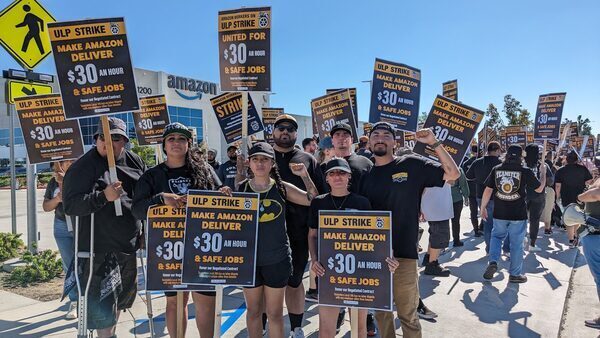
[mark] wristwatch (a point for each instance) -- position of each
(436, 144)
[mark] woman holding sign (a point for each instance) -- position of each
(337, 176)
(168, 184)
(273, 262)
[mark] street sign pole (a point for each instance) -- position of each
(13, 174)
(32, 227)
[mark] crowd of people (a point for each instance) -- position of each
(504, 190)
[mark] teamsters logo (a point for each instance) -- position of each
(379, 222)
(269, 210)
(507, 184)
(247, 203)
(114, 28)
(263, 19)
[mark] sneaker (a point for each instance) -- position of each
(533, 248)
(425, 313)
(573, 243)
(434, 269)
(312, 295)
(72, 312)
(264, 332)
(478, 233)
(297, 333)
(517, 279)
(490, 271)
(506, 254)
(425, 260)
(593, 323)
(340, 320)
(458, 243)
(548, 232)
(371, 328)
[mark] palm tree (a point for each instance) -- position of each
(583, 125)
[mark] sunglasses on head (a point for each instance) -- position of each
(114, 138)
(290, 129)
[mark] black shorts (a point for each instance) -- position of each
(439, 234)
(205, 293)
(274, 275)
(299, 249)
(102, 313)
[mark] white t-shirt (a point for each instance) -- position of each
(436, 203)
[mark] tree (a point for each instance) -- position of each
(515, 114)
(147, 153)
(422, 117)
(494, 120)
(583, 126)
(524, 118)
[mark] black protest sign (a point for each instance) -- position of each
(353, 246)
(395, 95)
(151, 120)
(367, 128)
(454, 124)
(584, 145)
(47, 134)
(269, 116)
(450, 89)
(410, 139)
(164, 245)
(228, 108)
(352, 98)
(327, 110)
(516, 135)
(399, 138)
(220, 238)
(93, 67)
(484, 137)
(548, 116)
(245, 49)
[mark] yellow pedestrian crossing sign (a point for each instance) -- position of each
(23, 88)
(24, 32)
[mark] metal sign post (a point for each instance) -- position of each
(32, 228)
(13, 174)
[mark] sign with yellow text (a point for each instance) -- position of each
(548, 116)
(93, 67)
(47, 134)
(151, 120)
(353, 246)
(220, 238)
(454, 124)
(450, 89)
(164, 243)
(516, 135)
(352, 98)
(23, 88)
(330, 109)
(484, 137)
(269, 116)
(245, 49)
(23, 32)
(228, 109)
(395, 94)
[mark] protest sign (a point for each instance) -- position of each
(151, 120)
(352, 98)
(333, 108)
(548, 116)
(450, 89)
(269, 116)
(516, 135)
(228, 109)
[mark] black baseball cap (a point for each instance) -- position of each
(383, 126)
(341, 126)
(178, 128)
(286, 118)
(232, 146)
(116, 126)
(337, 163)
(514, 150)
(261, 148)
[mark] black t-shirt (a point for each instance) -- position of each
(297, 215)
(572, 178)
(397, 187)
(359, 165)
(510, 183)
(480, 170)
(352, 201)
(227, 172)
(52, 190)
(465, 167)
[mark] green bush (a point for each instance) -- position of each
(41, 267)
(10, 245)
(44, 178)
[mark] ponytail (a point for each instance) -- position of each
(278, 181)
(202, 177)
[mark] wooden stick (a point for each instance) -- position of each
(159, 154)
(110, 156)
(180, 307)
(218, 310)
(354, 322)
(245, 124)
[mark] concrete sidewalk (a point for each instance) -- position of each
(467, 305)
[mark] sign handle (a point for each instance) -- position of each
(110, 155)
(159, 154)
(218, 310)
(180, 307)
(245, 124)
(354, 322)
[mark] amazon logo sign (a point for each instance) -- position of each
(182, 84)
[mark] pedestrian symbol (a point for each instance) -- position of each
(23, 32)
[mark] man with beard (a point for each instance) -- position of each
(212, 159)
(228, 170)
(396, 184)
(341, 135)
(309, 145)
(284, 135)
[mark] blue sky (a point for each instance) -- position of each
(493, 48)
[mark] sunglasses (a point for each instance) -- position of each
(290, 129)
(114, 138)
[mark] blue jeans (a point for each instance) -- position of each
(591, 250)
(64, 241)
(516, 231)
(489, 224)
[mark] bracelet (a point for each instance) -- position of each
(436, 144)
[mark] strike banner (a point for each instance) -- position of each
(454, 124)
(353, 246)
(450, 89)
(245, 49)
(151, 120)
(352, 98)
(548, 116)
(47, 134)
(228, 109)
(93, 66)
(395, 94)
(516, 135)
(483, 139)
(220, 238)
(164, 245)
(269, 116)
(330, 109)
